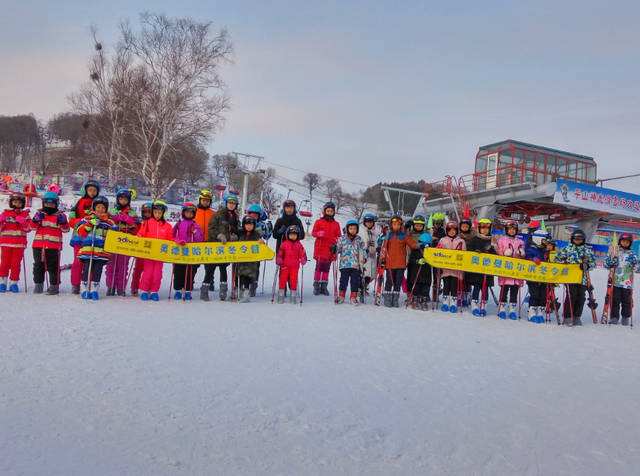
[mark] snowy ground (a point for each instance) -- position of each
(125, 387)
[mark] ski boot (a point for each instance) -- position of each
(625, 321)
(75, 289)
(280, 299)
(340, 298)
(614, 320)
(111, 292)
(3, 285)
(94, 295)
(316, 288)
(425, 305)
(446, 303)
(475, 308)
(293, 299)
(177, 295)
(540, 315)
(38, 288)
(531, 315)
(483, 309)
(121, 293)
(324, 285)
(243, 295)
(354, 298)
(513, 312)
(453, 306)
(386, 299)
(13, 287)
(154, 297)
(204, 293)
(502, 310)
(85, 291)
(134, 292)
(52, 290)
(223, 291)
(144, 296)
(395, 297)
(188, 296)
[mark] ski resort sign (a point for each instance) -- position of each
(583, 195)
(191, 253)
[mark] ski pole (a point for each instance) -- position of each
(301, 284)
(24, 273)
(264, 271)
(90, 270)
(275, 280)
(413, 287)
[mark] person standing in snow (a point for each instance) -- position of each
(418, 270)
(14, 226)
(289, 217)
(625, 264)
(352, 254)
(155, 227)
(248, 272)
(289, 258)
(369, 236)
(482, 242)
(186, 230)
(537, 252)
(510, 246)
(326, 231)
(264, 227)
(223, 227)
(393, 258)
(127, 222)
(204, 214)
(451, 279)
(82, 207)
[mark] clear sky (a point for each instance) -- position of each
(374, 90)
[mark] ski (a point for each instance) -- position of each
(591, 301)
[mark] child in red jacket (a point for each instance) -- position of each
(79, 212)
(14, 226)
(326, 231)
(154, 227)
(49, 224)
(290, 256)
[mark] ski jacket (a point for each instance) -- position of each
(203, 218)
(82, 208)
(224, 223)
(159, 229)
(14, 226)
(352, 252)
(582, 255)
(394, 249)
(326, 231)
(468, 236)
(250, 269)
(625, 265)
(437, 233)
(449, 243)
(188, 231)
(265, 228)
(49, 228)
(370, 240)
(291, 255)
(91, 231)
(281, 225)
(480, 244)
(125, 219)
(511, 247)
(418, 253)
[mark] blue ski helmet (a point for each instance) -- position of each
(539, 238)
(100, 200)
(255, 208)
(123, 192)
(229, 198)
(369, 217)
(51, 197)
(91, 183)
(350, 223)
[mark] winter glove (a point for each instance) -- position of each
(61, 220)
(221, 238)
(421, 261)
(282, 230)
(508, 252)
(233, 237)
(320, 234)
(537, 261)
(105, 226)
(180, 242)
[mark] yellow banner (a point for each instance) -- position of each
(192, 253)
(503, 266)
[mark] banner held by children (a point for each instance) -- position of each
(503, 266)
(192, 253)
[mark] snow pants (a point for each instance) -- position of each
(450, 286)
(288, 276)
(622, 298)
(421, 274)
(209, 270)
(151, 276)
(322, 270)
(537, 294)
(96, 270)
(574, 301)
(10, 261)
(46, 261)
(183, 276)
(76, 267)
(510, 292)
(393, 279)
(352, 275)
(137, 272)
(117, 270)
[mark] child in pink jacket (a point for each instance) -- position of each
(185, 231)
(154, 227)
(510, 246)
(451, 279)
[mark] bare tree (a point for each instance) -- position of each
(313, 182)
(161, 88)
(355, 204)
(333, 188)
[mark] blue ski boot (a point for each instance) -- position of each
(513, 312)
(445, 304)
(177, 296)
(154, 297)
(13, 287)
(475, 309)
(3, 285)
(144, 296)
(502, 310)
(187, 296)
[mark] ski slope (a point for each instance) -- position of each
(126, 387)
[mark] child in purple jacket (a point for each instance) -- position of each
(186, 230)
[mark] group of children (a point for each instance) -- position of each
(391, 256)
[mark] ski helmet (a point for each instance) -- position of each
(419, 220)
(17, 196)
(350, 223)
(255, 208)
(91, 183)
(289, 203)
(328, 205)
(229, 198)
(293, 229)
(54, 187)
(51, 197)
(146, 206)
(540, 237)
(396, 219)
(100, 200)
(123, 192)
(626, 236)
(369, 217)
(578, 234)
(533, 225)
(247, 219)
(159, 205)
(438, 217)
(451, 225)
(188, 206)
(511, 225)
(485, 222)
(466, 221)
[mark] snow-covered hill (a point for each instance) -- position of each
(124, 387)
